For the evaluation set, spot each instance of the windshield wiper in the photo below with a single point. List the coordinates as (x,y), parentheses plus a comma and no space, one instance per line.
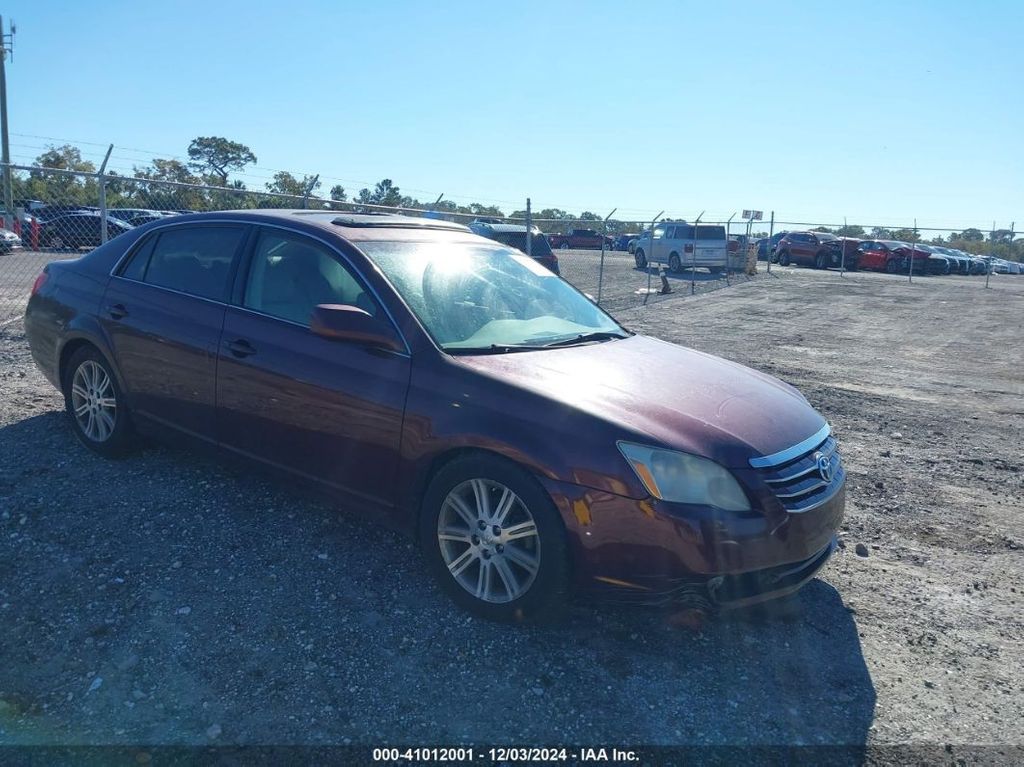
(582,338)
(493,349)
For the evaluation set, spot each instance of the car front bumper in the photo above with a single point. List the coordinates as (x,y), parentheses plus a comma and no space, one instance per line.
(646,552)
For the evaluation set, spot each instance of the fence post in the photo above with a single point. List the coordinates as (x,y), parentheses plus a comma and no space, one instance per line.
(768,244)
(600,271)
(101,179)
(693,257)
(650,255)
(913,250)
(529,229)
(309,191)
(728,239)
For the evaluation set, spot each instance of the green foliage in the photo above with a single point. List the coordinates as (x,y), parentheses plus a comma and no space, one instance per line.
(384,193)
(851,230)
(215,157)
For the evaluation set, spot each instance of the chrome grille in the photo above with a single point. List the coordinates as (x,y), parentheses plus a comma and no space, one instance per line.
(797,480)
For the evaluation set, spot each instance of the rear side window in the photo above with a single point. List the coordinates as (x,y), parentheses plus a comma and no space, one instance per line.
(193,260)
(136,267)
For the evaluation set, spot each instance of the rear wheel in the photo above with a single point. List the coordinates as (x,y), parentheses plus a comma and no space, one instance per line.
(96,406)
(784,258)
(494,540)
(715,269)
(674,263)
(640,258)
(892,266)
(821,261)
(564,246)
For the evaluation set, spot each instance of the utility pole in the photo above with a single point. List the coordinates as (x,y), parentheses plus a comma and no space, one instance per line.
(6,47)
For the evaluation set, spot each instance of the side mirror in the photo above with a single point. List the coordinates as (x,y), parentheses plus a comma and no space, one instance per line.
(344,322)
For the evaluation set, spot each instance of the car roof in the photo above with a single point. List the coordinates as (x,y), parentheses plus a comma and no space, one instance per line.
(351,226)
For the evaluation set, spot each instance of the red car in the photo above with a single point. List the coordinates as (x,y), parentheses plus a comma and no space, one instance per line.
(821,250)
(449,386)
(891,256)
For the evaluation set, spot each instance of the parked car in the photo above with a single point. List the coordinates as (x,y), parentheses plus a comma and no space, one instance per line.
(880,256)
(514,236)
(821,250)
(621,242)
(631,245)
(682,245)
(78,230)
(8,241)
(960,262)
(937,263)
(438,382)
(580,239)
(136,216)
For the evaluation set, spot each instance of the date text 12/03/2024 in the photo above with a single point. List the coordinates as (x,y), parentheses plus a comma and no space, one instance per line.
(503,754)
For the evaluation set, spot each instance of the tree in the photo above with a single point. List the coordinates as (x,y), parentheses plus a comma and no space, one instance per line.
(851,230)
(880,233)
(384,193)
(338,193)
(971,235)
(285,183)
(216,156)
(821,229)
(167,170)
(66,157)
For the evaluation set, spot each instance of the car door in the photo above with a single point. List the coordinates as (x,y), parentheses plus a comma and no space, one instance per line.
(163,311)
(326,409)
(659,251)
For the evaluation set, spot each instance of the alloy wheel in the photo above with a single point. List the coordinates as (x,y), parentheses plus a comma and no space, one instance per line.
(93,401)
(489,540)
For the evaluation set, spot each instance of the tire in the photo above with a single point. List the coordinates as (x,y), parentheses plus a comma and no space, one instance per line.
(674,263)
(96,406)
(821,261)
(892,266)
(640,258)
(630,249)
(784,258)
(510,580)
(564,246)
(715,270)
(56,242)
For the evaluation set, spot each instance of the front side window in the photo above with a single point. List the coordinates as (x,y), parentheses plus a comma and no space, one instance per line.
(480,298)
(194,260)
(291,275)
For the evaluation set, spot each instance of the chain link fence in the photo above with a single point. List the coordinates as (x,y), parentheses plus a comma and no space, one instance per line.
(62,214)
(620,264)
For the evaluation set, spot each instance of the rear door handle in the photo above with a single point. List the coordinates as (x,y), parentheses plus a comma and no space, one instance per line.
(117,311)
(240,347)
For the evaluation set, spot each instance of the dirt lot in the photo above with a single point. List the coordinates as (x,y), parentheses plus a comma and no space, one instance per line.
(171,598)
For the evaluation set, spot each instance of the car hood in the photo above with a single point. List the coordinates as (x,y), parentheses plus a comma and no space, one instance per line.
(662,393)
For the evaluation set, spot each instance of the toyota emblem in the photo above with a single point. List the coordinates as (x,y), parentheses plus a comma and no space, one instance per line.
(824,466)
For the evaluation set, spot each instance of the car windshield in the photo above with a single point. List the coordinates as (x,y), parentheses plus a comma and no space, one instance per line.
(473,297)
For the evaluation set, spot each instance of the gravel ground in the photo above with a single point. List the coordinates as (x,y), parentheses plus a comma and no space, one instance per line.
(174,598)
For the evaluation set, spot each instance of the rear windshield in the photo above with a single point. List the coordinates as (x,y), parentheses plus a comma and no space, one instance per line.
(710,232)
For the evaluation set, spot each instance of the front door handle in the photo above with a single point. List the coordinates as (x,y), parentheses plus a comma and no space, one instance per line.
(240,347)
(117,311)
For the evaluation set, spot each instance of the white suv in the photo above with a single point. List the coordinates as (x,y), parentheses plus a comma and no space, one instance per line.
(682,245)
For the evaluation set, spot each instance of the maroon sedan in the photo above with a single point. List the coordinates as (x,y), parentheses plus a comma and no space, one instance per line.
(452,387)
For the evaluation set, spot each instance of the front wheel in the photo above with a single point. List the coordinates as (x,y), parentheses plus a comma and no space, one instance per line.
(674,263)
(96,405)
(892,266)
(494,540)
(821,261)
(784,258)
(564,246)
(640,258)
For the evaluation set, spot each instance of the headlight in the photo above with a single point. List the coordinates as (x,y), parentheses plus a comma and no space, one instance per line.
(683,478)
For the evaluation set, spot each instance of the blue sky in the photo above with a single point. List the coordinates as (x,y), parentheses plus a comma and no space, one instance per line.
(881,112)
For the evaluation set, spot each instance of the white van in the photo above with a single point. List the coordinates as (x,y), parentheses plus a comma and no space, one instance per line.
(682,246)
